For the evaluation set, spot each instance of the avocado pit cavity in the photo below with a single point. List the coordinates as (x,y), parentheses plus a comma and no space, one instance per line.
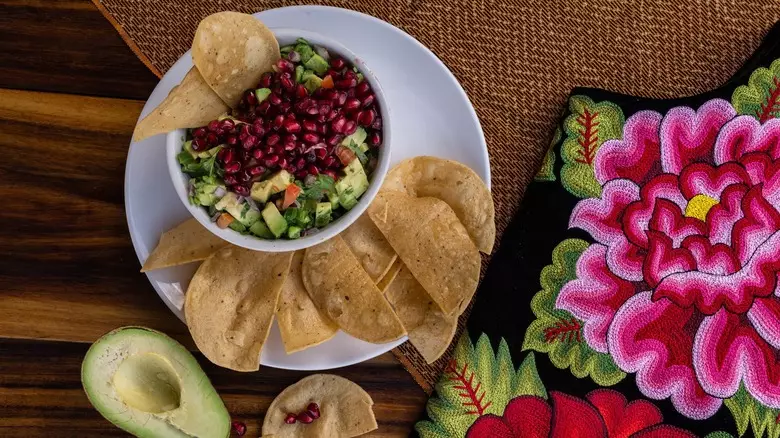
(148,382)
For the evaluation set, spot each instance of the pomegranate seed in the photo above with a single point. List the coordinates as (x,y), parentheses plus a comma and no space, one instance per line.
(330,173)
(212,139)
(332,115)
(320,153)
(256,170)
(264,107)
(290,116)
(312,169)
(250,97)
(350,127)
(284,107)
(257,153)
(287,83)
(351,104)
(199,133)
(232,167)
(329,94)
(241,189)
(308,125)
(239,427)
(278,122)
(301,174)
(362,89)
(375,139)
(282,162)
(334,74)
(285,65)
(271,161)
(312,110)
(338,125)
(229,155)
(349,74)
(246,156)
(342,99)
(300,91)
(292,126)
(198,144)
(304,418)
(226,125)
(320,118)
(311,138)
(314,410)
(232,140)
(230,180)
(258,130)
(324,108)
(244,131)
(250,142)
(377,123)
(244,176)
(290,419)
(265,80)
(289,146)
(274,99)
(328,161)
(221,154)
(272,139)
(270,150)
(343,84)
(300,162)
(337,63)
(334,139)
(367,101)
(366,118)
(323,129)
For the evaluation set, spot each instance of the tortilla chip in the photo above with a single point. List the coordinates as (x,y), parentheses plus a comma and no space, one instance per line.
(187,242)
(230,304)
(345,293)
(370,247)
(390,276)
(345,409)
(232,50)
(454,183)
(430,330)
(189,105)
(301,323)
(432,243)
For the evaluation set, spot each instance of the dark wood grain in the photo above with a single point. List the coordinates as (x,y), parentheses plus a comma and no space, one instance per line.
(41,394)
(66,46)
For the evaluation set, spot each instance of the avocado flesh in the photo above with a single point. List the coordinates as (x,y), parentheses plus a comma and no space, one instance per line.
(149,385)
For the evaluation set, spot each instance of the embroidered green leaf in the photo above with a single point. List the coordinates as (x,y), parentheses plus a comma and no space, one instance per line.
(588,126)
(556,331)
(719,434)
(747,411)
(760,98)
(547,171)
(477,381)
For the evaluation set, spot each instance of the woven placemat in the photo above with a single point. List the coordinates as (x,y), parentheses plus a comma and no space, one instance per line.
(517,60)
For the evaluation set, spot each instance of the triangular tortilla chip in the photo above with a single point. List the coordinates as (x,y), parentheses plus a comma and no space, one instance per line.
(230,304)
(302,325)
(345,409)
(189,105)
(370,247)
(432,243)
(232,50)
(430,330)
(187,242)
(454,183)
(342,290)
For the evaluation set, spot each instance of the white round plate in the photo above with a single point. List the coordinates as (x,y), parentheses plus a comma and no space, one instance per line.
(431,115)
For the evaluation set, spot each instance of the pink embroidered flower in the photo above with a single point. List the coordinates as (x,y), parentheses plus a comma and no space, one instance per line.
(604,413)
(681,286)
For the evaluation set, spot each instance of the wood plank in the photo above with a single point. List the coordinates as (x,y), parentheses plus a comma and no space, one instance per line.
(41,395)
(67,46)
(68,270)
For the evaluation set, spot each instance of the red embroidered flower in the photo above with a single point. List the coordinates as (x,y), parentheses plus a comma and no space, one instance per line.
(604,413)
(681,286)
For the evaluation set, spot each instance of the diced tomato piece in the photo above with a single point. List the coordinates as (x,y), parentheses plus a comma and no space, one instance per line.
(327,82)
(345,154)
(290,195)
(224,220)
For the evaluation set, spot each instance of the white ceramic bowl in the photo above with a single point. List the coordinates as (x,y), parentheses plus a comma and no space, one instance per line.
(174,145)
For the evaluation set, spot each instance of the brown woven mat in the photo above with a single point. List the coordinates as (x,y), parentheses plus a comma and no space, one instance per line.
(517,60)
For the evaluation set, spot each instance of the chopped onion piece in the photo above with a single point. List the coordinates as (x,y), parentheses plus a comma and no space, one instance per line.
(322,51)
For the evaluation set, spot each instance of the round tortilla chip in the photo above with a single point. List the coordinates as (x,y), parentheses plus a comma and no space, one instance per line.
(370,247)
(432,243)
(302,325)
(232,50)
(342,290)
(190,104)
(345,409)
(230,304)
(430,330)
(454,183)
(185,243)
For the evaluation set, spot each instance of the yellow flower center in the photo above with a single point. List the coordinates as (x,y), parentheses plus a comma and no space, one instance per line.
(699,206)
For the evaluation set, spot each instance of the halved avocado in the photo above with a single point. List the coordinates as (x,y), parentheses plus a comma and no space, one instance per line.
(150,386)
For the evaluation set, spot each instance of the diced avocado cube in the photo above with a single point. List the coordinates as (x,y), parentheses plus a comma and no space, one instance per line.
(237,226)
(360,77)
(352,185)
(230,199)
(358,137)
(262,190)
(294,232)
(334,200)
(248,216)
(262,94)
(260,229)
(274,219)
(363,147)
(317,63)
(306,75)
(348,201)
(313,84)
(286,49)
(322,214)
(305,50)
(239,210)
(299,74)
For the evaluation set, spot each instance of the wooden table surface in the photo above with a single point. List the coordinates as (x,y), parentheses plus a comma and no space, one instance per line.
(70,93)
